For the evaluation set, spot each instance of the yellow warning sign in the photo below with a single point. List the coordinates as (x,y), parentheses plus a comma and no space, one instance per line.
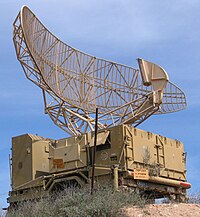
(142,174)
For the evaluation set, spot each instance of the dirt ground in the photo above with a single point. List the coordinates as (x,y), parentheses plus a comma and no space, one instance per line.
(163,210)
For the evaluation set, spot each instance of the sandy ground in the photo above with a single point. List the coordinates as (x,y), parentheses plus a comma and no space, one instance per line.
(163,210)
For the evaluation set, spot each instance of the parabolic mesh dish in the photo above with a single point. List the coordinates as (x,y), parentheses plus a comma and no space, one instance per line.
(75,83)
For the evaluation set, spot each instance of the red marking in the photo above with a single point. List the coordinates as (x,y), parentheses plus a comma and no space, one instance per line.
(185,184)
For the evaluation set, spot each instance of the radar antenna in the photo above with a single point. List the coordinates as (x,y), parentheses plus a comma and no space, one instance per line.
(75,83)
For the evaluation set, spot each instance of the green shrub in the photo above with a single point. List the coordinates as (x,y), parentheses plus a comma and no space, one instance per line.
(74,202)
(194,198)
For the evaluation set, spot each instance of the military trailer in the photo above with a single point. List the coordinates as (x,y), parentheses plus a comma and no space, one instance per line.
(76,85)
(126,157)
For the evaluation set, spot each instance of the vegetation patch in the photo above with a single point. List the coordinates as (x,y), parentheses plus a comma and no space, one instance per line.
(194,198)
(74,202)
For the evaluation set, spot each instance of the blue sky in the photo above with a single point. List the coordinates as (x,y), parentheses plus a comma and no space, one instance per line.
(164,32)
